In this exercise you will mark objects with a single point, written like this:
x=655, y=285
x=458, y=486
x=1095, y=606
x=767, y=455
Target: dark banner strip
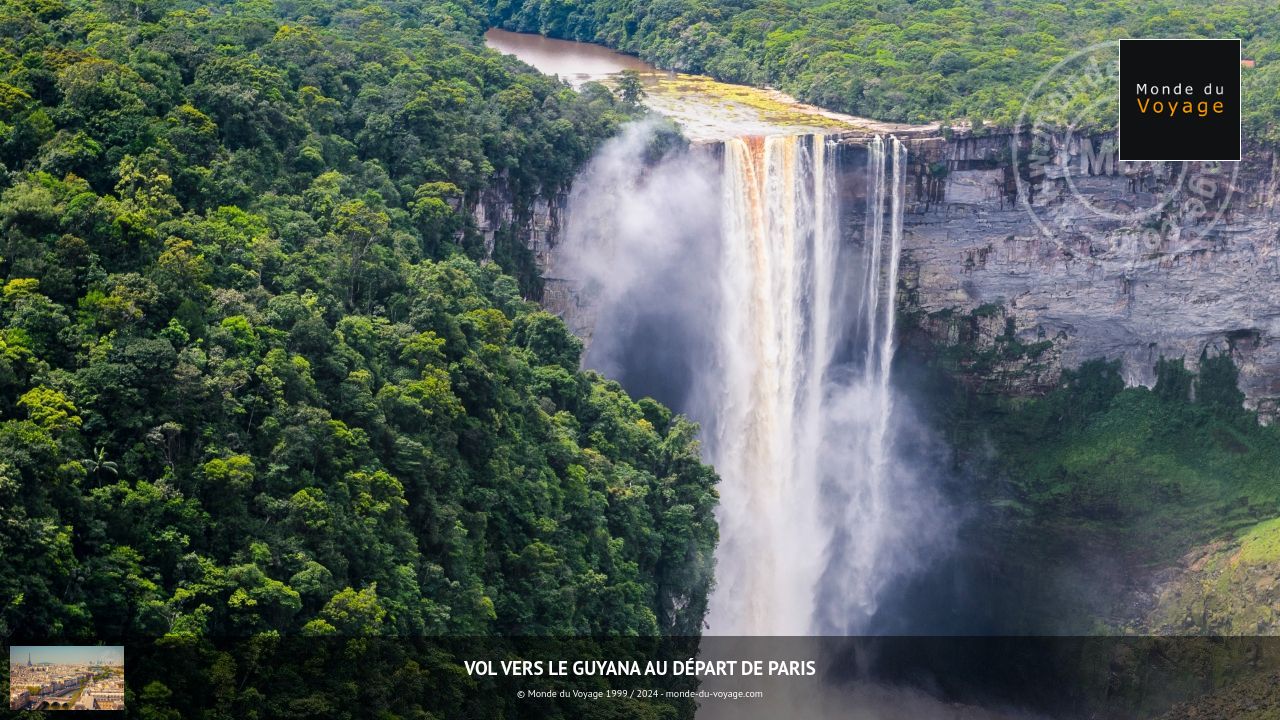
x=739, y=677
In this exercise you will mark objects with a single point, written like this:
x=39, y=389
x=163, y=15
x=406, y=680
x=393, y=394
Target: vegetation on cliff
x=1086, y=490
x=1228, y=587
x=910, y=60
x=1171, y=469
x=255, y=373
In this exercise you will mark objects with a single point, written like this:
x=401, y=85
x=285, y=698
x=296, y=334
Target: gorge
x=994, y=265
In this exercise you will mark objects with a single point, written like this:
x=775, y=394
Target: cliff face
x=1022, y=293
x=537, y=227
x=1082, y=270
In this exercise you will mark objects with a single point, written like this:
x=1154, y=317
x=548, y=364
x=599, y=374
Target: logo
x=1180, y=100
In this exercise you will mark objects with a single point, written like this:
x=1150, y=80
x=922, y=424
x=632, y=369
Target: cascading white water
x=726, y=286
x=802, y=440
x=770, y=400
x=868, y=526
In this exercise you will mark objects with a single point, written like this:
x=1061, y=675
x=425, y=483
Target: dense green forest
x=256, y=374
x=908, y=60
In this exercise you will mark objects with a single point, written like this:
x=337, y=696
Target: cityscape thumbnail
x=66, y=677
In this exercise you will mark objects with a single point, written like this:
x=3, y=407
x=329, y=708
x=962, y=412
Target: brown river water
x=706, y=109
x=573, y=62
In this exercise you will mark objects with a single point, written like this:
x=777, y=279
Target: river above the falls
x=706, y=109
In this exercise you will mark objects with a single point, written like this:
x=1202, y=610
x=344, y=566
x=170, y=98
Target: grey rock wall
x=537, y=226
x=1097, y=286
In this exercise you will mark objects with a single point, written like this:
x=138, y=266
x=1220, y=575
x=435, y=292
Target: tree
x=358, y=227
x=630, y=88
x=352, y=612
x=1173, y=380
x=50, y=409
x=99, y=463
x=1217, y=386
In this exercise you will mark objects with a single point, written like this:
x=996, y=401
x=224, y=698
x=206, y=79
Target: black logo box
x=1180, y=65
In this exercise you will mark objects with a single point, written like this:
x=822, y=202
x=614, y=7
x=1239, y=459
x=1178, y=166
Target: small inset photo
x=66, y=677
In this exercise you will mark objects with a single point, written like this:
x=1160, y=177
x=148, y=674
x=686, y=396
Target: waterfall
x=774, y=189
x=733, y=286
x=870, y=527
x=797, y=354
